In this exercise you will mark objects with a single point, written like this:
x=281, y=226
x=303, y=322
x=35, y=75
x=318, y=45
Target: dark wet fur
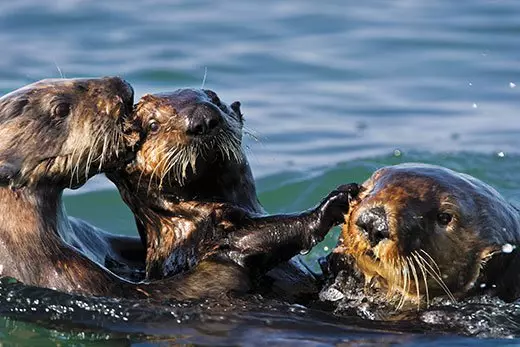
x=211, y=211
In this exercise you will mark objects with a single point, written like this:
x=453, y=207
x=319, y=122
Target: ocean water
x=330, y=91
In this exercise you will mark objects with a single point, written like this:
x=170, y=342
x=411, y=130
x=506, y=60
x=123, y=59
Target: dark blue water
x=330, y=92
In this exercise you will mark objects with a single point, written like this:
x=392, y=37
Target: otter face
x=421, y=230
x=186, y=131
x=63, y=131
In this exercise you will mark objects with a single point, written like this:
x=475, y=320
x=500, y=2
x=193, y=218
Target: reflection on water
x=323, y=86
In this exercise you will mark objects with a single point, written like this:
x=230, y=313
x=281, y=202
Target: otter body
x=194, y=198
x=55, y=134
x=418, y=231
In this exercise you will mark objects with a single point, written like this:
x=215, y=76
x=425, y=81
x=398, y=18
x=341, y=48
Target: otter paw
x=334, y=207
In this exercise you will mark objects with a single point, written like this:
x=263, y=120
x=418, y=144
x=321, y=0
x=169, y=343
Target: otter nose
x=202, y=119
x=374, y=222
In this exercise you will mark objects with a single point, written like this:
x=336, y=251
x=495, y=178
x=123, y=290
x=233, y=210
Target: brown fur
x=421, y=258
x=33, y=224
x=194, y=200
x=178, y=205
x=42, y=152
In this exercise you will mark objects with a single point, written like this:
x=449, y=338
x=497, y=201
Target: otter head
x=189, y=162
x=63, y=131
x=418, y=231
x=189, y=134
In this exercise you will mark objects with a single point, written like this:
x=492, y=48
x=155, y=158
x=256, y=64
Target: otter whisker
x=167, y=172
x=90, y=157
x=416, y=280
x=425, y=279
x=406, y=276
x=236, y=148
x=156, y=167
x=432, y=260
x=103, y=152
x=70, y=162
x=437, y=277
x=79, y=163
x=62, y=76
x=185, y=163
x=249, y=132
x=223, y=149
x=204, y=78
x=169, y=164
x=400, y=290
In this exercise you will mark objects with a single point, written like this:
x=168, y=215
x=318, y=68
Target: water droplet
x=508, y=248
x=326, y=249
x=475, y=105
x=397, y=153
x=470, y=84
x=501, y=154
x=512, y=85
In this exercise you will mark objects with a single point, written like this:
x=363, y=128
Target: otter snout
x=374, y=223
x=202, y=118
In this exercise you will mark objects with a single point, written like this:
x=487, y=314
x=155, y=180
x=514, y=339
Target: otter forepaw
x=334, y=207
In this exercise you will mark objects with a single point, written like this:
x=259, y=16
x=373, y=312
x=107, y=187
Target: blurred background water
x=330, y=91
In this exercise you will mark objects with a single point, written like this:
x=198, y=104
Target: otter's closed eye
x=61, y=110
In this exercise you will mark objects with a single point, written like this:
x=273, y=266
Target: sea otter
x=417, y=231
x=56, y=134
x=193, y=195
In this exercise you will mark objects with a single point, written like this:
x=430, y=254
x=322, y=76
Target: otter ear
x=235, y=106
x=9, y=170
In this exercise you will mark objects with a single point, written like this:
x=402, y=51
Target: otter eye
x=61, y=110
x=444, y=218
x=153, y=126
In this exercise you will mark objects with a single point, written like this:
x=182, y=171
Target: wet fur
x=45, y=151
x=39, y=244
x=202, y=205
x=420, y=259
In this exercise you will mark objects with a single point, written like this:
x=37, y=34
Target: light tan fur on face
x=171, y=154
